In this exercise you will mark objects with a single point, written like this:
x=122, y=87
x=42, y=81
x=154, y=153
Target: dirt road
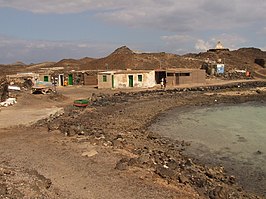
x=31, y=108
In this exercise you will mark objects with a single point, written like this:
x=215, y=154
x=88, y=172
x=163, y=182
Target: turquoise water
x=233, y=136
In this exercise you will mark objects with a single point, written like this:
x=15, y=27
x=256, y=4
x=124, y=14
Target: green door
x=46, y=78
x=113, y=81
x=130, y=80
x=70, y=79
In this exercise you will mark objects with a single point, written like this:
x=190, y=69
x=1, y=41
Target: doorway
x=130, y=81
x=61, y=80
x=70, y=79
x=159, y=75
x=113, y=81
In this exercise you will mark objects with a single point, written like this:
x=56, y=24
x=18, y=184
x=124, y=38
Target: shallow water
x=233, y=136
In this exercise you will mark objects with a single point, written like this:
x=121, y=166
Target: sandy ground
x=31, y=108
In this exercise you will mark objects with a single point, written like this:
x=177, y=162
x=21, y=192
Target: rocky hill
x=124, y=58
x=243, y=58
x=73, y=64
x=6, y=69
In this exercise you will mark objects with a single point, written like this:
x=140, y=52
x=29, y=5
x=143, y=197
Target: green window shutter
x=140, y=78
x=104, y=78
x=45, y=78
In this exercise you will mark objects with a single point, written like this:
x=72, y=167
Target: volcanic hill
x=125, y=58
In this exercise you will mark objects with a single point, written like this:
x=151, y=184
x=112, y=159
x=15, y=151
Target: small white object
x=8, y=102
x=16, y=88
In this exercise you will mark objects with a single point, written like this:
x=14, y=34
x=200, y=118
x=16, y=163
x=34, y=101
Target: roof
x=170, y=70
x=177, y=70
x=125, y=71
x=22, y=75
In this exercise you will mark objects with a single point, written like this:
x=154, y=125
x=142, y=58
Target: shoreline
x=249, y=173
x=121, y=121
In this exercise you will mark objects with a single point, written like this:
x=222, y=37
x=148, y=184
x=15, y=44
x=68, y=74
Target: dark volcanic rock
x=122, y=164
x=165, y=172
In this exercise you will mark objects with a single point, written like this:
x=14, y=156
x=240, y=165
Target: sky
x=34, y=31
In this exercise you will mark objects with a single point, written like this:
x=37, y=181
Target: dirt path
x=28, y=110
x=31, y=108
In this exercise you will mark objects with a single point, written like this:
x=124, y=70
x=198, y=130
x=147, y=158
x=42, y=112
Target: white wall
x=108, y=83
x=122, y=80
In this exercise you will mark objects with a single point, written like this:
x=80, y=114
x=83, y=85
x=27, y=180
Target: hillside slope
x=124, y=58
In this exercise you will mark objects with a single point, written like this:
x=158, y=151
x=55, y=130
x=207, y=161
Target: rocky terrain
x=123, y=58
x=120, y=121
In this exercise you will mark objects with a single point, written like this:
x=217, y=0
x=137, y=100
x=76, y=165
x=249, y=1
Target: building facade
x=175, y=77
x=150, y=78
x=127, y=79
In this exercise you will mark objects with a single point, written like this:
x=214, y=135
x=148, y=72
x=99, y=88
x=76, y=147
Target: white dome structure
x=218, y=48
x=219, y=45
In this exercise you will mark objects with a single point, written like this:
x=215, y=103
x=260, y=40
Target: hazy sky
x=50, y=30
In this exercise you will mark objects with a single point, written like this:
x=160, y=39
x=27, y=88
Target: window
x=140, y=78
x=170, y=74
x=104, y=78
x=183, y=74
x=46, y=78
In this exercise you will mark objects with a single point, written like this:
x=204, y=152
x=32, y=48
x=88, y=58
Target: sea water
x=231, y=136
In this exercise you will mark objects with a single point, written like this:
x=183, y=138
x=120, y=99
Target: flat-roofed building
x=150, y=78
x=127, y=79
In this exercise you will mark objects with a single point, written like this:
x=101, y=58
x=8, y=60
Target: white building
x=127, y=79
